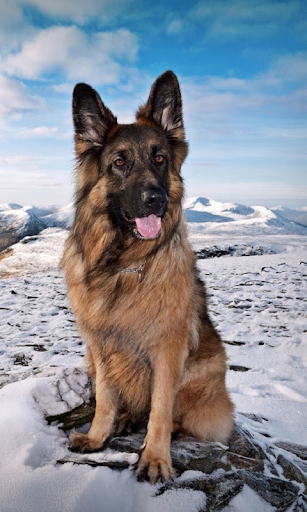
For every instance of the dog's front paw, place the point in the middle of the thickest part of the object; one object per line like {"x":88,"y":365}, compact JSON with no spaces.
{"x":83,"y":443}
{"x":154,"y":469}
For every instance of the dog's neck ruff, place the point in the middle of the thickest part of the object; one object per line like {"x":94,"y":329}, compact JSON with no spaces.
{"x":137,"y":270}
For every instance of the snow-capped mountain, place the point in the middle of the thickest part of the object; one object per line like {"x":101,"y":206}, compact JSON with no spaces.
{"x":299,"y":216}
{"x":219,"y":217}
{"x":61,"y":217}
{"x":17,"y":222}
{"x":225,"y":210}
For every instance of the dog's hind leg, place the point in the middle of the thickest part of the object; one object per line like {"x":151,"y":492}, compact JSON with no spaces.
{"x":104,"y":420}
{"x":203,"y":408}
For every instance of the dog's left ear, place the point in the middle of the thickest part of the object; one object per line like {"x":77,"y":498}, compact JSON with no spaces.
{"x":164,"y":105}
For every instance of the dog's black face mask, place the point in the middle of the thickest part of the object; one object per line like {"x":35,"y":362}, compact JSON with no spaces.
{"x":136,"y":162}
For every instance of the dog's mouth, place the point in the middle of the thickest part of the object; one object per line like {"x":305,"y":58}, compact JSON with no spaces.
{"x":145,"y":228}
{"x":148,"y":227}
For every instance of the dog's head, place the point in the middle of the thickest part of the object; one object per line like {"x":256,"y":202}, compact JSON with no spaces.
{"x":135,"y":168}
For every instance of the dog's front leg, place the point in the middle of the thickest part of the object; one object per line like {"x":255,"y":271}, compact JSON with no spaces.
{"x":167,"y":365}
{"x":104,"y":420}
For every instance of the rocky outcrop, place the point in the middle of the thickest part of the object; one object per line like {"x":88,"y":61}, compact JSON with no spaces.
{"x":277,"y":473}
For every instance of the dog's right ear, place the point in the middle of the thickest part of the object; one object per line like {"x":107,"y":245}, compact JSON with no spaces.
{"x":92,"y":119}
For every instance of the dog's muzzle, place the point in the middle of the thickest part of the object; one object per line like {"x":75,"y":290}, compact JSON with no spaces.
{"x":154,"y":203}
{"x":154,"y":200}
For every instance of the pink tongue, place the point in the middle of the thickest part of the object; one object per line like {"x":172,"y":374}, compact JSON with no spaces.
{"x":148,"y":227}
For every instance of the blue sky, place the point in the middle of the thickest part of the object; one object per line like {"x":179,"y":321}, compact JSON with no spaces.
{"x":242,"y":66}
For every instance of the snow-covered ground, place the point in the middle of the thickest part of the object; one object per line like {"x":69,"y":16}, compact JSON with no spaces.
{"x":258,"y":303}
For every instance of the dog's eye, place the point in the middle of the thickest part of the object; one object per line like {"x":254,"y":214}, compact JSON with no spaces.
{"x":119,"y":162}
{"x":159,"y":159}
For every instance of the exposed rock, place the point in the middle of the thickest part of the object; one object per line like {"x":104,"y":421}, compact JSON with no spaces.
{"x":245,"y":462}
{"x":242,"y":444}
{"x":216,"y":251}
{"x":130,"y":444}
{"x":301,"y":504}
{"x":279,"y":493}
{"x":75,"y":418}
{"x":297,"y":449}
{"x":235,"y":343}
{"x":206,"y":457}
{"x":254,"y":417}
{"x":292,"y":471}
{"x":226,"y":469}
{"x":238,"y":368}
{"x":113,"y":464}
{"x":21,"y":359}
{"x":219,"y":491}
{"x":186,"y":455}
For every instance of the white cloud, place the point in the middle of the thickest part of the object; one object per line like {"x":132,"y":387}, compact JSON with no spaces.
{"x":26,"y":172}
{"x":229,"y":19}
{"x":18,"y":18}
{"x":219,"y":104}
{"x":49,"y":183}
{"x":43,"y":132}
{"x":15,"y":22}
{"x":18,"y":160}
{"x":80,"y":11}
{"x":251,"y":129}
{"x":74,"y":55}
{"x":288,"y":69}
{"x":175,"y":27}
{"x":13,"y":28}
{"x":14,"y":98}
{"x":38,"y":132}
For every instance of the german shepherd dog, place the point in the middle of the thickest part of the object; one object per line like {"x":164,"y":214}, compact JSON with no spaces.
{"x":133,"y":283}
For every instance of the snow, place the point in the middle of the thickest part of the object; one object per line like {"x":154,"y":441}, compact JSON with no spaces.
{"x":212,"y":218}
{"x":34,"y":253}
{"x":263,"y":306}
{"x":299,"y":215}
{"x":258,"y":304}
{"x":17,"y":222}
{"x":250,"y":497}
{"x":32,"y":481}
{"x":215,"y":207}
{"x":9,"y":206}
{"x":62,"y":217}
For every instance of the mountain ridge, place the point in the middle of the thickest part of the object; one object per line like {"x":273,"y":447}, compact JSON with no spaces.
{"x":204,"y":215}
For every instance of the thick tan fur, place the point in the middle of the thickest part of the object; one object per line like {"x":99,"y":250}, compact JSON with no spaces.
{"x":152,"y":350}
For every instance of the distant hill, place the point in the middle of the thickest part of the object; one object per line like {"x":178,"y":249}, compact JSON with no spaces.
{"x":219,"y":217}
{"x":201,"y":209}
{"x":299,"y":216}
{"x":17,"y":222}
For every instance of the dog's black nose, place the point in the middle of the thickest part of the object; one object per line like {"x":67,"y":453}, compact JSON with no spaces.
{"x":154,"y":200}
